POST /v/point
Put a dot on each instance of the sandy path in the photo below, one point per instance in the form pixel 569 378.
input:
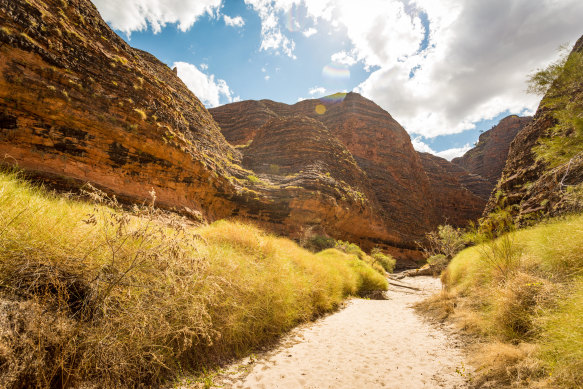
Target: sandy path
pixel 369 344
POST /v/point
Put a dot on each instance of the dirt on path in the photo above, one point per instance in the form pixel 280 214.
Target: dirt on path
pixel 369 344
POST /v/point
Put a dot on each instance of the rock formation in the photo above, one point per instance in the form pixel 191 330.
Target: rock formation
pixel 78 104
pixel 411 193
pixel 530 188
pixel 488 157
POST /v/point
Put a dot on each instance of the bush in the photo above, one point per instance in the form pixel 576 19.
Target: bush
pixel 92 294
pixel 524 287
pixel 446 241
pixel 318 243
pixel 385 260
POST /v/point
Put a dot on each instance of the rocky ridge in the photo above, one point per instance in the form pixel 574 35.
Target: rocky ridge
pixel 488 157
pixel 410 194
pixel 529 187
pixel 78 104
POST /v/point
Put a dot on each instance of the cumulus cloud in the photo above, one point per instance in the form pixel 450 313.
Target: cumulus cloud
pixel 271 36
pixel 237 21
pixel 137 15
pixel 455 152
pixel 421 146
pixel 476 64
pixel 469 63
pixel 317 90
pixel 309 32
pixel 343 58
pixel 448 154
pixel 204 86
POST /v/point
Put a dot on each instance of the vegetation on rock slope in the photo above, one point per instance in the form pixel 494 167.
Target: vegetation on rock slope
pixel 92 293
pixel 522 294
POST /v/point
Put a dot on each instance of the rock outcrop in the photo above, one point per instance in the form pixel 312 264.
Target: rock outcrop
pixel 530 188
pixel 410 193
pixel 448 182
pixel 77 104
pixel 488 157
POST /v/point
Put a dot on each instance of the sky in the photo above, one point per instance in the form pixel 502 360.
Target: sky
pixel 444 69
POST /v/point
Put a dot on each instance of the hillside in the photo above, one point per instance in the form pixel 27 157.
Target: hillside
pixel 488 157
pixel 78 104
pixel 544 170
pixel 409 199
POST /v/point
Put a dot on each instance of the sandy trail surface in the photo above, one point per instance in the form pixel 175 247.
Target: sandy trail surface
pixel 368 344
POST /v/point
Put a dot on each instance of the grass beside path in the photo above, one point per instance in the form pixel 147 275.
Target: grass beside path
pixel 91 293
pixel 522 294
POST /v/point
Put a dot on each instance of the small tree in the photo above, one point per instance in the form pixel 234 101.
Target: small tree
pixel 446 241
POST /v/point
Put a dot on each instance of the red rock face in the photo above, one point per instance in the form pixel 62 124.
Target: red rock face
pixel 530 186
pixel 411 194
pixel 79 105
pixel 450 193
pixel 489 156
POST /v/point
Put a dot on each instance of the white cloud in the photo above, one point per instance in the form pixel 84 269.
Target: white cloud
pixel 455 152
pixel 476 63
pixel 204 86
pixel 448 154
pixel 271 36
pixel 267 77
pixel 309 32
pixel 204 66
pixel 137 15
pixel 343 58
pixel 317 90
pixel 421 146
pixel 237 21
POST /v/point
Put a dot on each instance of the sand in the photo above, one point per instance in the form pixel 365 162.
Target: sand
pixel 368 344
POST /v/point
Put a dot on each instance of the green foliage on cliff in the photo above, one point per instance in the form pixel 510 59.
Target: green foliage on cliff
pixel 562 85
pixel 94 294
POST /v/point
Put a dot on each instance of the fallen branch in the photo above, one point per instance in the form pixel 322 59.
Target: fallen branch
pixel 404 286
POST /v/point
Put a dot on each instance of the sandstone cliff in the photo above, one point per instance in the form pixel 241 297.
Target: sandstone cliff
pixel 531 187
pixel 77 104
pixel 488 157
pixel 409 194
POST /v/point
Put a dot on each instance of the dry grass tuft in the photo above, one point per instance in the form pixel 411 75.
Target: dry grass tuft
pixel 522 294
pixel 91 293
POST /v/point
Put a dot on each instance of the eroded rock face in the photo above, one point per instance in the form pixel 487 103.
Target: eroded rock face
pixel 489 156
pixel 529 188
pixel 410 194
pixel 77 104
pixel 450 189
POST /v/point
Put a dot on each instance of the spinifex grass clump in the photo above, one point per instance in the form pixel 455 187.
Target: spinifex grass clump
pixel 91 293
pixel 523 292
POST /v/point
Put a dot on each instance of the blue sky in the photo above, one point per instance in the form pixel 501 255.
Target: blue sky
pixel 445 70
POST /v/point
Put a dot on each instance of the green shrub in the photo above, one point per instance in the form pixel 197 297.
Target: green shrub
pixel 90 293
pixel 318 243
pixel 385 260
pixel 562 85
pixel 525 286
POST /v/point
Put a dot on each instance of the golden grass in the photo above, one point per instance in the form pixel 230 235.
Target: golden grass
pixel 522 290
pixel 91 293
